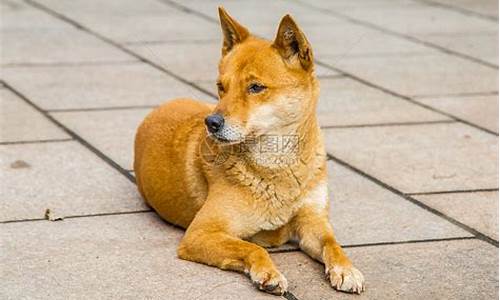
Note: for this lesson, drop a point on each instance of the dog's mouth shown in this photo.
(222, 139)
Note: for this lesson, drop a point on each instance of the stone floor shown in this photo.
(409, 110)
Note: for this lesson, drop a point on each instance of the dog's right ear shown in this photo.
(233, 32)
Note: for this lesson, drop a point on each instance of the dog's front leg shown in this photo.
(316, 238)
(208, 241)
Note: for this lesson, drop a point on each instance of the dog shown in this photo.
(227, 172)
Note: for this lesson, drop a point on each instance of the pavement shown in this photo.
(408, 107)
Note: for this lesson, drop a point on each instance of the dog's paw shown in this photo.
(270, 281)
(346, 279)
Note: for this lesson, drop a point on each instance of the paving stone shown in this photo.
(488, 7)
(14, 113)
(31, 36)
(435, 74)
(363, 212)
(114, 257)
(465, 269)
(138, 21)
(420, 18)
(251, 13)
(423, 158)
(480, 110)
(477, 210)
(193, 61)
(180, 59)
(63, 177)
(482, 46)
(344, 101)
(351, 40)
(329, 36)
(70, 87)
(110, 131)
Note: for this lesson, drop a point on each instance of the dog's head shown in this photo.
(264, 87)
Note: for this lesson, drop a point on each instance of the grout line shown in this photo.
(333, 76)
(71, 64)
(23, 220)
(459, 10)
(289, 296)
(398, 34)
(163, 42)
(453, 192)
(406, 98)
(349, 75)
(411, 242)
(141, 58)
(72, 134)
(110, 214)
(388, 124)
(459, 238)
(189, 10)
(80, 216)
(460, 95)
(37, 141)
(409, 198)
(63, 110)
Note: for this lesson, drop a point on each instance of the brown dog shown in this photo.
(254, 175)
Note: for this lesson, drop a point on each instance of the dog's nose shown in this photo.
(214, 122)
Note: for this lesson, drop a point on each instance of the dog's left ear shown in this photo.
(292, 43)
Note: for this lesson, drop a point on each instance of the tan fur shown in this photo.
(231, 208)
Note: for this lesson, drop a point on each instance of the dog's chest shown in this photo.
(275, 197)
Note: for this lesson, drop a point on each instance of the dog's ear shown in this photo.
(233, 32)
(292, 44)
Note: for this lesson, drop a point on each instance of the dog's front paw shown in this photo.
(346, 279)
(271, 281)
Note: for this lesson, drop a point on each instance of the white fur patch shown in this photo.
(317, 197)
(263, 117)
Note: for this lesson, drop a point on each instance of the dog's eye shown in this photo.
(220, 87)
(255, 88)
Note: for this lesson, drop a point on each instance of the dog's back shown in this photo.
(166, 166)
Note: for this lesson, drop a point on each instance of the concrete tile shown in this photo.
(480, 110)
(253, 14)
(435, 74)
(423, 158)
(420, 18)
(70, 87)
(31, 36)
(328, 35)
(74, 259)
(344, 101)
(193, 61)
(180, 59)
(352, 40)
(138, 21)
(482, 46)
(342, 5)
(465, 269)
(63, 177)
(110, 131)
(477, 210)
(363, 212)
(21, 122)
(488, 7)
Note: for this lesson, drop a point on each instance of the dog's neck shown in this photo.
(289, 147)
(288, 175)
